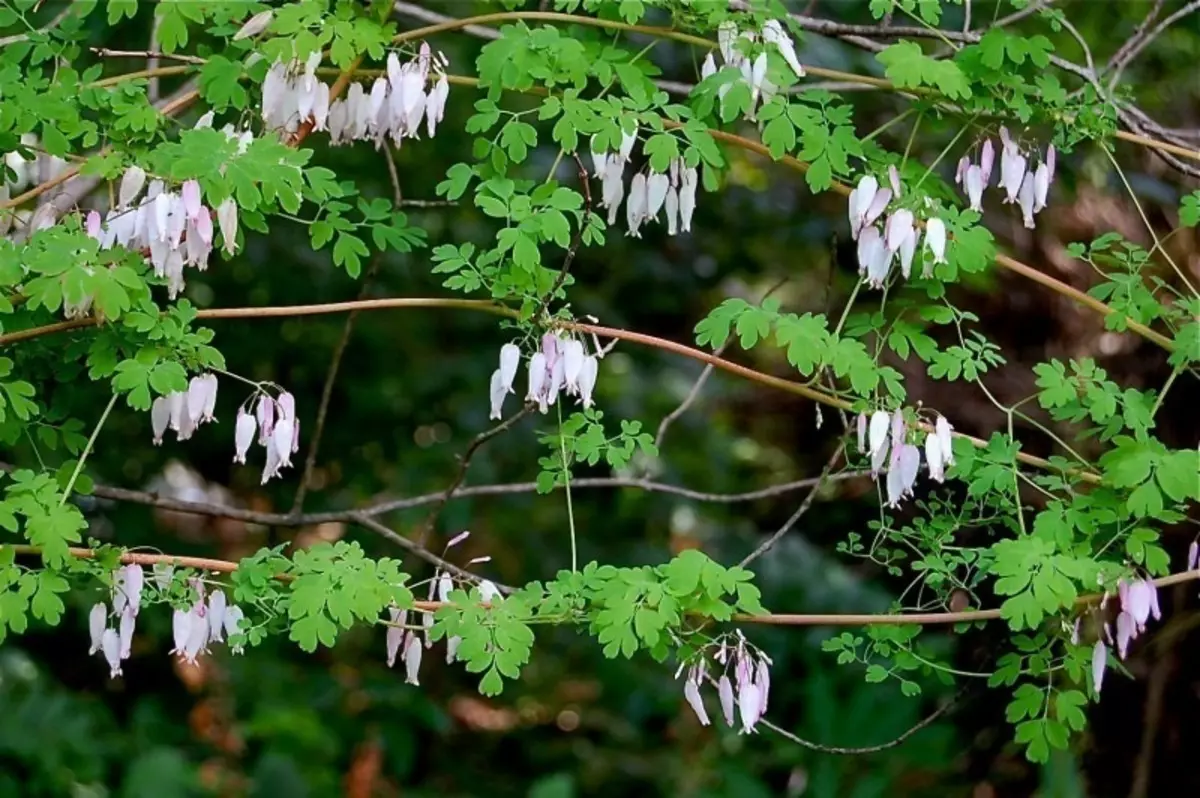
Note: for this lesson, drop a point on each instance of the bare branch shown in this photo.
(465, 463)
(870, 749)
(426, 555)
(770, 542)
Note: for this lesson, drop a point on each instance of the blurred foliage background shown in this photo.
(412, 393)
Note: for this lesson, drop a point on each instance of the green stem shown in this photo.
(1163, 393)
(87, 450)
(562, 447)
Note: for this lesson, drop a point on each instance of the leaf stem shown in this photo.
(562, 448)
(87, 450)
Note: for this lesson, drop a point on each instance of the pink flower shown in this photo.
(1099, 663)
(691, 693)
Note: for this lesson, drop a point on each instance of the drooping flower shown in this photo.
(125, 632)
(243, 435)
(880, 422)
(488, 592)
(160, 417)
(1041, 186)
(773, 33)
(97, 621)
(110, 644)
(1012, 170)
(131, 185)
(255, 25)
(496, 394)
(636, 205)
(1099, 663)
(691, 693)
(861, 423)
(510, 361)
(987, 158)
(233, 623)
(689, 179)
(945, 438)
(1193, 555)
(227, 221)
(1125, 633)
(572, 358)
(974, 185)
(749, 706)
(933, 456)
(217, 607)
(935, 240)
(395, 633)
(1025, 199)
(412, 659)
(725, 693)
(134, 582)
(588, 372)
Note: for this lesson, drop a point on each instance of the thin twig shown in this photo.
(871, 749)
(770, 542)
(464, 463)
(420, 551)
(382, 507)
(105, 52)
(314, 442)
(688, 400)
(49, 26)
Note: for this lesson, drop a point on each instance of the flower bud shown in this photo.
(691, 693)
(254, 26)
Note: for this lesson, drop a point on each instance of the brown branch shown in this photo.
(846, 619)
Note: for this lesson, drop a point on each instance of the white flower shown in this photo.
(255, 25)
(880, 422)
(1026, 199)
(935, 239)
(572, 356)
(587, 379)
(97, 621)
(691, 693)
(227, 220)
(727, 34)
(708, 68)
(281, 440)
(1041, 186)
(160, 417)
(725, 693)
(537, 377)
(395, 633)
(216, 615)
(496, 394)
(636, 205)
(671, 202)
(656, 194)
(749, 706)
(943, 429)
(1012, 171)
(110, 644)
(125, 632)
(131, 185)
(243, 435)
(773, 33)
(689, 179)
(933, 456)
(488, 592)
(510, 361)
(974, 184)
(987, 158)
(412, 659)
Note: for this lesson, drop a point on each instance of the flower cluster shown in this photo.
(173, 226)
(184, 411)
(744, 697)
(734, 45)
(1026, 186)
(193, 630)
(274, 420)
(674, 191)
(1139, 602)
(560, 364)
(884, 433)
(204, 622)
(394, 107)
(406, 642)
(877, 249)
